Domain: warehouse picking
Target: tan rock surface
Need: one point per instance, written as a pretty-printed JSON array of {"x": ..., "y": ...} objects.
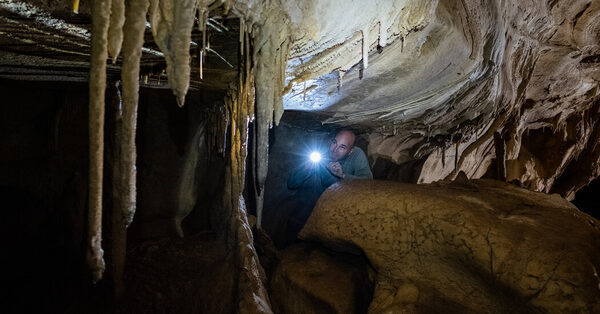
[{"x": 478, "y": 246}]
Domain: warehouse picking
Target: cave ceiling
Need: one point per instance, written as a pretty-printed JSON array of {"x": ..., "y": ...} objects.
[
  {"x": 417, "y": 75},
  {"x": 423, "y": 66},
  {"x": 47, "y": 41}
]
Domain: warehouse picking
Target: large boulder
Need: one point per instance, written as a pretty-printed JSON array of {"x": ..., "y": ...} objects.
[{"x": 471, "y": 246}]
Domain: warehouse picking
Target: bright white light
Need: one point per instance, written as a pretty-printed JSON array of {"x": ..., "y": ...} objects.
[{"x": 315, "y": 157}]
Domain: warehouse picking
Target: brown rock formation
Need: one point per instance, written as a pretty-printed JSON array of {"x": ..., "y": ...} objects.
[
  {"x": 310, "y": 279},
  {"x": 476, "y": 246}
]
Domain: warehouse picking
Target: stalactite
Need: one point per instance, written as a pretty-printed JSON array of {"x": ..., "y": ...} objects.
[
  {"x": 500, "y": 148},
  {"x": 76, "y": 6},
  {"x": 118, "y": 229},
  {"x": 134, "y": 27},
  {"x": 201, "y": 62},
  {"x": 202, "y": 19},
  {"x": 115, "y": 29},
  {"x": 382, "y": 34},
  {"x": 172, "y": 22},
  {"x": 227, "y": 6},
  {"x": 100, "y": 20},
  {"x": 443, "y": 156},
  {"x": 365, "y": 48},
  {"x": 242, "y": 32},
  {"x": 401, "y": 44},
  {"x": 456, "y": 154},
  {"x": 284, "y": 49},
  {"x": 271, "y": 47},
  {"x": 502, "y": 117}
]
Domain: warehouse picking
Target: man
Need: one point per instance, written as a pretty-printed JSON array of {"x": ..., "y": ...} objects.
[{"x": 344, "y": 162}]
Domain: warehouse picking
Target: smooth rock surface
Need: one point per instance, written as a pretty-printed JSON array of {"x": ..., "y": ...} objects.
[{"x": 468, "y": 246}]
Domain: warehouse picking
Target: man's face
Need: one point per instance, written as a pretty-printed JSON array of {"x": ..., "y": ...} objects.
[{"x": 341, "y": 145}]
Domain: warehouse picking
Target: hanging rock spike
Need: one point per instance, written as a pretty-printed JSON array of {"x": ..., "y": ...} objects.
[
  {"x": 382, "y": 34},
  {"x": 100, "y": 20},
  {"x": 115, "y": 28},
  {"x": 172, "y": 22},
  {"x": 135, "y": 25},
  {"x": 365, "y": 48}
]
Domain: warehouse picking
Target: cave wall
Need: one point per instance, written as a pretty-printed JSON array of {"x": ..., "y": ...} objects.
[
  {"x": 43, "y": 185},
  {"x": 177, "y": 172},
  {"x": 43, "y": 175}
]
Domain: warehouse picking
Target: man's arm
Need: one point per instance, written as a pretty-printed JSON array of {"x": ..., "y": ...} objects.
[
  {"x": 361, "y": 167},
  {"x": 299, "y": 176},
  {"x": 328, "y": 178}
]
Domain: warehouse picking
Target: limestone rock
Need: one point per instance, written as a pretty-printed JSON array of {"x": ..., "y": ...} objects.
[
  {"x": 311, "y": 279},
  {"x": 489, "y": 247}
]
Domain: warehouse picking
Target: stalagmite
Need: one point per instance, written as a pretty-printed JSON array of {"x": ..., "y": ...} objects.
[
  {"x": 134, "y": 27},
  {"x": 100, "y": 20},
  {"x": 115, "y": 29},
  {"x": 172, "y": 22}
]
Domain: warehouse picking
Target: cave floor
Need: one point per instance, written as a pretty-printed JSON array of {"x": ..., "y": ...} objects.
[{"x": 189, "y": 275}]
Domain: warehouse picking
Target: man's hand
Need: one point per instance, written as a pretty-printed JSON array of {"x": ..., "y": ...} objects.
[{"x": 336, "y": 169}]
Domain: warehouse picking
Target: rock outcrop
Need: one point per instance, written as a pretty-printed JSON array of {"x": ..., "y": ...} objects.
[{"x": 465, "y": 246}]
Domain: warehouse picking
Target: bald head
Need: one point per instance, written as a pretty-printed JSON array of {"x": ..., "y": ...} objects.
[{"x": 342, "y": 145}]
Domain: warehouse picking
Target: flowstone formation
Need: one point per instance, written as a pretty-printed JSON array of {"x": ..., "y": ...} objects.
[{"x": 466, "y": 246}]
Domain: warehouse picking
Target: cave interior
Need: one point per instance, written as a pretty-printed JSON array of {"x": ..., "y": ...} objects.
[{"x": 146, "y": 145}]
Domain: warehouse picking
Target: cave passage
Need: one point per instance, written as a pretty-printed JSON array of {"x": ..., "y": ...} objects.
[{"x": 445, "y": 156}]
